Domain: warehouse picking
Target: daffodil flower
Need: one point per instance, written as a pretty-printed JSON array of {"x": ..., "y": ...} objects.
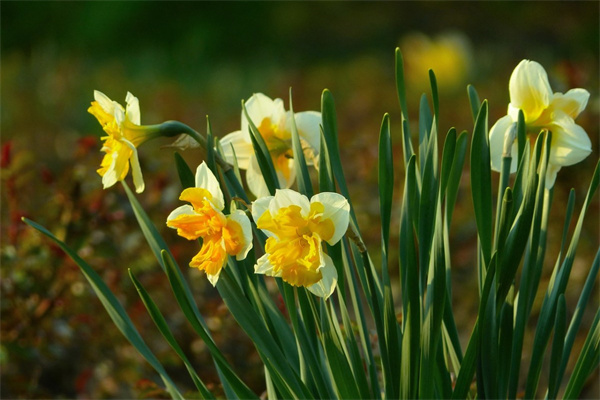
[
  {"x": 203, "y": 218},
  {"x": 125, "y": 134},
  {"x": 296, "y": 228},
  {"x": 530, "y": 92},
  {"x": 274, "y": 125}
]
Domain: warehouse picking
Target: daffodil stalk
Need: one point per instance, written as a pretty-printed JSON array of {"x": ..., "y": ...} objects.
[{"x": 308, "y": 248}]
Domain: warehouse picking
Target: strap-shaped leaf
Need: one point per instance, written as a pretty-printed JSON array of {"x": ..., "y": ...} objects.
[
  {"x": 163, "y": 327},
  {"x": 114, "y": 308}
]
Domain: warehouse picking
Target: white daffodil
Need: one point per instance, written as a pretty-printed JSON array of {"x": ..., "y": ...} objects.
[
  {"x": 295, "y": 228},
  {"x": 221, "y": 235},
  {"x": 274, "y": 124},
  {"x": 530, "y": 92},
  {"x": 125, "y": 134}
]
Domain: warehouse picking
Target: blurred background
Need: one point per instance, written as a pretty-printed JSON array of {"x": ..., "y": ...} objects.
[{"x": 187, "y": 60}]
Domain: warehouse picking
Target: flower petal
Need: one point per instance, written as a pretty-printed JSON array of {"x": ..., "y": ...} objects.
[
  {"x": 259, "y": 107},
  {"x": 255, "y": 180},
  {"x": 240, "y": 141},
  {"x": 105, "y": 102},
  {"x": 551, "y": 173},
  {"x": 529, "y": 89},
  {"x": 288, "y": 197},
  {"x": 571, "y": 103},
  {"x": 242, "y": 219},
  {"x": 264, "y": 266},
  {"x": 133, "y": 109},
  {"x": 336, "y": 208},
  {"x": 325, "y": 287},
  {"x": 259, "y": 206},
  {"x": 181, "y": 210},
  {"x": 497, "y": 135},
  {"x": 206, "y": 179},
  {"x": 136, "y": 170},
  {"x": 308, "y": 124},
  {"x": 570, "y": 143}
]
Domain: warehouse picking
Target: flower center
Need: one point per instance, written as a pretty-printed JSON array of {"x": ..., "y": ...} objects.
[{"x": 295, "y": 251}]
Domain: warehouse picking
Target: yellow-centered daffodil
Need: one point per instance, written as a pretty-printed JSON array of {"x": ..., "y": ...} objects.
[
  {"x": 530, "y": 92},
  {"x": 296, "y": 228},
  {"x": 274, "y": 124},
  {"x": 203, "y": 218},
  {"x": 124, "y": 135}
]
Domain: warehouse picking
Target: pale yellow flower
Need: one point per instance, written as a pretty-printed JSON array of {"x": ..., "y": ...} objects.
[
  {"x": 124, "y": 135},
  {"x": 274, "y": 125},
  {"x": 296, "y": 228},
  {"x": 221, "y": 235},
  {"x": 530, "y": 92}
]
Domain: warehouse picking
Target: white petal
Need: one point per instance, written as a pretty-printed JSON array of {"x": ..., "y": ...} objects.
[
  {"x": 287, "y": 182},
  {"x": 105, "y": 102},
  {"x": 133, "y": 109},
  {"x": 570, "y": 143},
  {"x": 181, "y": 210},
  {"x": 286, "y": 198},
  {"x": 111, "y": 177},
  {"x": 529, "y": 89},
  {"x": 259, "y": 107},
  {"x": 260, "y": 206},
  {"x": 242, "y": 219},
  {"x": 255, "y": 180},
  {"x": 241, "y": 144},
  {"x": 214, "y": 278},
  {"x": 264, "y": 266},
  {"x": 206, "y": 179},
  {"x": 551, "y": 173},
  {"x": 571, "y": 103},
  {"x": 325, "y": 287},
  {"x": 337, "y": 209},
  {"x": 497, "y": 135},
  {"x": 136, "y": 171},
  {"x": 309, "y": 128}
]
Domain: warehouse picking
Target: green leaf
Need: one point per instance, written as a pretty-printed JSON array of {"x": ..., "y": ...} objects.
[
  {"x": 386, "y": 189},
  {"x": 161, "y": 323},
  {"x": 304, "y": 184},
  {"x": 255, "y": 327},
  {"x": 400, "y": 86},
  {"x": 481, "y": 187},
  {"x": 114, "y": 308},
  {"x": 588, "y": 360},
  {"x": 474, "y": 101},
  {"x": 186, "y": 176},
  {"x": 557, "y": 347},
  {"x": 455, "y": 174},
  {"x": 435, "y": 97},
  {"x": 263, "y": 156},
  {"x": 578, "y": 314}
]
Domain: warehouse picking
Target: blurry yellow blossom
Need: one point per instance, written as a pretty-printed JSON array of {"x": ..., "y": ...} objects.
[
  {"x": 448, "y": 55},
  {"x": 125, "y": 134},
  {"x": 530, "y": 92},
  {"x": 295, "y": 228},
  {"x": 274, "y": 124},
  {"x": 221, "y": 235}
]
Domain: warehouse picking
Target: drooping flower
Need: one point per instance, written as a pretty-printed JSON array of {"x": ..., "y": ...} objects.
[
  {"x": 296, "y": 228},
  {"x": 274, "y": 125},
  {"x": 124, "y": 135},
  {"x": 203, "y": 218},
  {"x": 530, "y": 92}
]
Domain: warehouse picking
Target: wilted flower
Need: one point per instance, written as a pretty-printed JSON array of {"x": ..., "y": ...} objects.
[
  {"x": 274, "y": 125},
  {"x": 295, "y": 228},
  {"x": 530, "y": 92},
  {"x": 125, "y": 134},
  {"x": 221, "y": 235}
]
